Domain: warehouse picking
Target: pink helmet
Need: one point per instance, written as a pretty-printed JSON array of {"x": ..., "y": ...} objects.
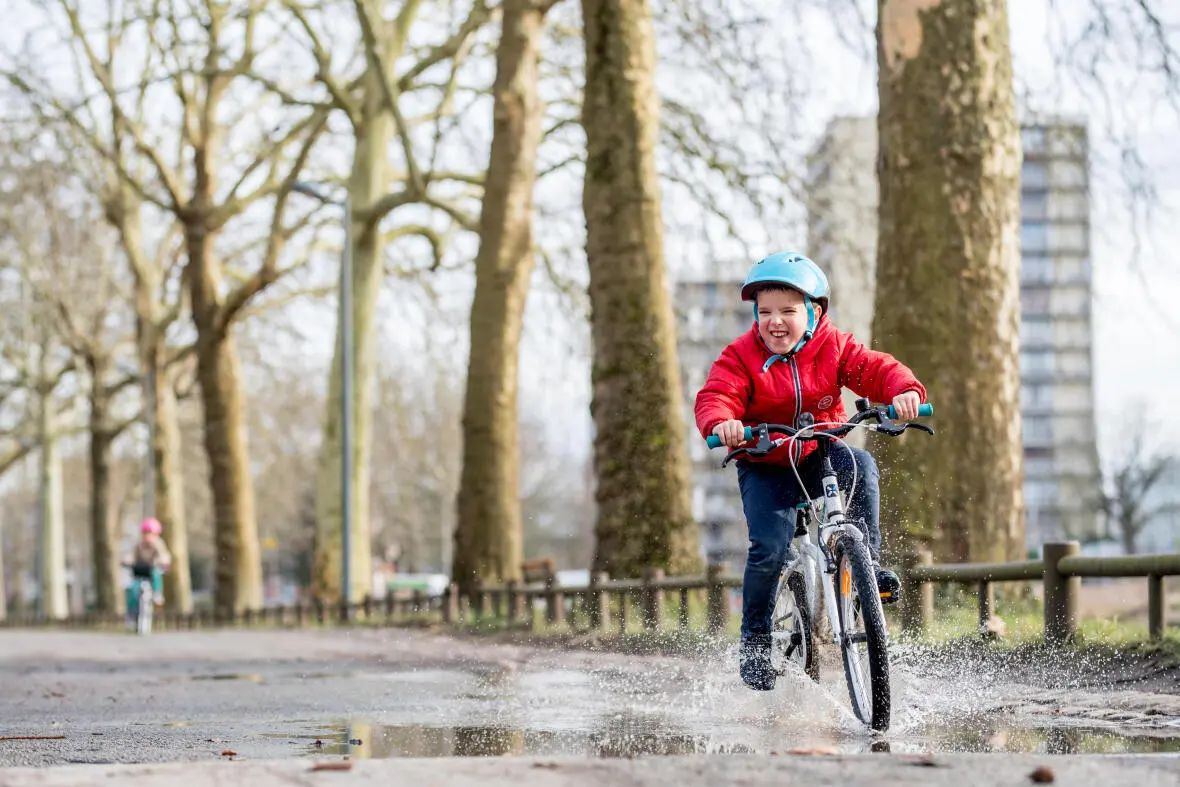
[{"x": 151, "y": 525}]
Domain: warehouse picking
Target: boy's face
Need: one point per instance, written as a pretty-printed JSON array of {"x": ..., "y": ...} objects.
[{"x": 782, "y": 318}]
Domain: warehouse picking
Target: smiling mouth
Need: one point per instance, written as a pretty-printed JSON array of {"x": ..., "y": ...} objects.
[{"x": 778, "y": 334}]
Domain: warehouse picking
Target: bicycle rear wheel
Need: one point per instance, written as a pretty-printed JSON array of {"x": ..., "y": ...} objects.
[
  {"x": 863, "y": 640},
  {"x": 790, "y": 630}
]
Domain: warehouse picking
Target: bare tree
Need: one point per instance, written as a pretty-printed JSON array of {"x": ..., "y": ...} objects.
[
  {"x": 395, "y": 165},
  {"x": 76, "y": 280},
  {"x": 204, "y": 57},
  {"x": 948, "y": 270},
  {"x": 1131, "y": 478},
  {"x": 488, "y": 535}
]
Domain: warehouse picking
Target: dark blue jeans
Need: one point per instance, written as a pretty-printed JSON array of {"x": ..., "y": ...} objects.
[{"x": 769, "y": 495}]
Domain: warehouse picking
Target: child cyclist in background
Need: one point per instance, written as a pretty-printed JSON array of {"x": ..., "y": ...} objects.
[
  {"x": 149, "y": 558},
  {"x": 793, "y": 360}
]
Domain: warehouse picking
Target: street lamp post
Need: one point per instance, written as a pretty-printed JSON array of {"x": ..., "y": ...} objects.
[{"x": 346, "y": 380}]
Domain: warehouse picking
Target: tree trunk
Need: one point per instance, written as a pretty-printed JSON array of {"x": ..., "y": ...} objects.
[
  {"x": 1130, "y": 532},
  {"x": 3, "y": 585},
  {"x": 641, "y": 460},
  {"x": 948, "y": 293},
  {"x": 368, "y": 182},
  {"x": 167, "y": 477},
  {"x": 239, "y": 563},
  {"x": 54, "y": 601},
  {"x": 488, "y": 530},
  {"x": 105, "y": 561},
  {"x": 169, "y": 497}
]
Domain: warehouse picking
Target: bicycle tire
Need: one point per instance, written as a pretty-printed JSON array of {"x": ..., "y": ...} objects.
[
  {"x": 146, "y": 600},
  {"x": 853, "y": 561}
]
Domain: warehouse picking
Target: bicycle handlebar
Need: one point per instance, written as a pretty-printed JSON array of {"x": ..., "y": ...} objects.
[{"x": 924, "y": 410}]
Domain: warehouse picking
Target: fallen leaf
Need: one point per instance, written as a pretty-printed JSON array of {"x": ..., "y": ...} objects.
[
  {"x": 319, "y": 743},
  {"x": 332, "y": 766},
  {"x": 216, "y": 740},
  {"x": 31, "y": 737},
  {"x": 819, "y": 751},
  {"x": 548, "y": 765},
  {"x": 1042, "y": 775},
  {"x": 354, "y": 741},
  {"x": 229, "y": 753},
  {"x": 921, "y": 760}
]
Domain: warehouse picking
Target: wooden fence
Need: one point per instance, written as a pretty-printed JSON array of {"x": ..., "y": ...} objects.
[
  {"x": 1060, "y": 570},
  {"x": 605, "y": 604}
]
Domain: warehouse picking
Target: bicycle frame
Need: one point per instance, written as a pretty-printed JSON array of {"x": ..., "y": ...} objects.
[{"x": 818, "y": 557}]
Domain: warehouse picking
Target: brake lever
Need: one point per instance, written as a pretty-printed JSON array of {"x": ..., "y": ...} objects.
[
  {"x": 922, "y": 427},
  {"x": 764, "y": 446},
  {"x": 733, "y": 455}
]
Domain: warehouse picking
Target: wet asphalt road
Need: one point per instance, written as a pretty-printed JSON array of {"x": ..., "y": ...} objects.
[{"x": 396, "y": 693}]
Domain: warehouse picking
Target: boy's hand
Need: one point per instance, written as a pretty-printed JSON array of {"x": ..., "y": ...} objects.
[
  {"x": 732, "y": 433},
  {"x": 906, "y": 405}
]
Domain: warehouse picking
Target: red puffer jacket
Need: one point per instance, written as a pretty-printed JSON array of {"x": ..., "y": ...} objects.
[{"x": 740, "y": 385}]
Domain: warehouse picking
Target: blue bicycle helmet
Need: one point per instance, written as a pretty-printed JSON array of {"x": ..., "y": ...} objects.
[{"x": 789, "y": 269}]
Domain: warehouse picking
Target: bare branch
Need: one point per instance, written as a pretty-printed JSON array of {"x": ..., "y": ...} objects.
[
  {"x": 340, "y": 96},
  {"x": 380, "y": 64},
  {"x": 268, "y": 271},
  {"x": 478, "y": 16}
]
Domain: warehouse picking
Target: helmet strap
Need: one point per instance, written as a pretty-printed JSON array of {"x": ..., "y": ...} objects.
[{"x": 810, "y": 326}]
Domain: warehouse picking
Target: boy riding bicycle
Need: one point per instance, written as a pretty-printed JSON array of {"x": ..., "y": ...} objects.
[{"x": 793, "y": 360}]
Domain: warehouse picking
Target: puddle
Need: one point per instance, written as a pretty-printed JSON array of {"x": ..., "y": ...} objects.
[{"x": 631, "y": 736}]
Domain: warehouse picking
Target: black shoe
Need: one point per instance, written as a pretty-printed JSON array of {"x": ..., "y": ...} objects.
[
  {"x": 754, "y": 662},
  {"x": 888, "y": 585}
]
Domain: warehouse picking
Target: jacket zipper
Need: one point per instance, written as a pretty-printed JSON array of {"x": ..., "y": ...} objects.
[{"x": 796, "y": 448}]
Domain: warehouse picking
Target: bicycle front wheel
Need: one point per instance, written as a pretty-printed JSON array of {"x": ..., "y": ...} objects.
[
  {"x": 863, "y": 641},
  {"x": 146, "y": 601}
]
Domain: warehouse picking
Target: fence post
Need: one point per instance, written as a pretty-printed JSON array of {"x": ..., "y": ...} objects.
[
  {"x": 917, "y": 598},
  {"x": 1061, "y": 594},
  {"x": 597, "y": 604},
  {"x": 1157, "y": 606},
  {"x": 450, "y": 605},
  {"x": 513, "y": 602},
  {"x": 718, "y": 608},
  {"x": 653, "y": 599},
  {"x": 682, "y": 617},
  {"x": 987, "y": 603},
  {"x": 554, "y": 600}
]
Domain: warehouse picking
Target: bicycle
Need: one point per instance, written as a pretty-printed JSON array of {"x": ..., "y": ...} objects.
[
  {"x": 851, "y": 596},
  {"x": 143, "y": 594}
]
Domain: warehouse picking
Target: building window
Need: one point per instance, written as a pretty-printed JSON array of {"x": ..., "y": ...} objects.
[
  {"x": 1040, "y": 494},
  {"x": 1034, "y": 237},
  {"x": 1036, "y": 269},
  {"x": 1034, "y": 205},
  {"x": 1038, "y": 429},
  {"x": 1034, "y": 175},
  {"x": 1034, "y": 300},
  {"x": 1036, "y": 362},
  {"x": 1036, "y": 396},
  {"x": 1038, "y": 468},
  {"x": 1036, "y": 331},
  {"x": 1069, "y": 237},
  {"x": 1032, "y": 139}
]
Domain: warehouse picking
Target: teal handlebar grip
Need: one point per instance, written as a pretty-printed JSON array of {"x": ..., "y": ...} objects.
[
  {"x": 715, "y": 442},
  {"x": 924, "y": 411}
]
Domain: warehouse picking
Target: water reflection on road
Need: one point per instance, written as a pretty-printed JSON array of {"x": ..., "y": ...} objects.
[{"x": 687, "y": 707}]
